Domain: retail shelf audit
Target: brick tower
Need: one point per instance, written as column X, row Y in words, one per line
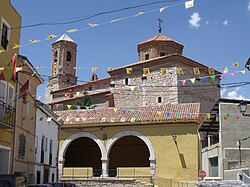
column 63, row 65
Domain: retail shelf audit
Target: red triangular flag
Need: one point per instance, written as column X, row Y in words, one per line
column 23, row 91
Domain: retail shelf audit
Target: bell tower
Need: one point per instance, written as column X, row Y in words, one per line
column 63, row 65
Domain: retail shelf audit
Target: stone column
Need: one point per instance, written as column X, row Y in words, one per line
column 105, row 163
column 152, row 163
column 60, row 168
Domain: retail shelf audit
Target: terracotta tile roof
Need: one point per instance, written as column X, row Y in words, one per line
column 135, row 114
column 107, row 79
column 158, row 37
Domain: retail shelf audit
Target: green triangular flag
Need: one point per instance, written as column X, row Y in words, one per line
column 212, row 77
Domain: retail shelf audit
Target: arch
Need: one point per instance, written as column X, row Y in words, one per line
column 131, row 133
column 73, row 137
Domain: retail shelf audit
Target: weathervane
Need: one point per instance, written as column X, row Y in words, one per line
column 159, row 27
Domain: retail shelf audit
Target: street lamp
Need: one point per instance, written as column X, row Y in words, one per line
column 243, row 107
column 174, row 137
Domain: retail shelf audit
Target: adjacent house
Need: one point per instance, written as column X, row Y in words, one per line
column 46, row 144
column 9, row 18
column 226, row 141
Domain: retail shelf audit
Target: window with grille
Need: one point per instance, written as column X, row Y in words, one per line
column 55, row 56
column 5, row 36
column 21, row 147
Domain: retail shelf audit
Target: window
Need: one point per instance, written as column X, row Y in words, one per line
column 126, row 81
column 5, row 34
column 213, row 167
column 55, row 56
column 21, row 147
column 2, row 91
column 68, row 80
column 69, row 56
column 162, row 54
column 146, row 56
column 42, row 149
column 11, row 95
column 38, row 177
column 159, row 100
column 27, row 111
column 50, row 151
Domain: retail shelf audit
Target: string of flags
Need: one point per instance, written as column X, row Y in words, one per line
column 157, row 114
column 188, row 4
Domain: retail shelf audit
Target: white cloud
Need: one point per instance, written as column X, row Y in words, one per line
column 248, row 7
column 195, row 19
column 225, row 22
column 234, row 94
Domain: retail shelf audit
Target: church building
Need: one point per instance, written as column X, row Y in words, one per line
column 140, row 123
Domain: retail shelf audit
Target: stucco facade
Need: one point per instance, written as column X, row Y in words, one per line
column 9, row 18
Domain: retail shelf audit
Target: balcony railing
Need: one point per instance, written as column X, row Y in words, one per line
column 7, row 115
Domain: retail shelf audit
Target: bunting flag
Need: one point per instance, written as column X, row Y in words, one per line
column 208, row 116
column 93, row 24
column 132, row 88
column 123, row 110
column 154, row 85
column 140, row 13
column 68, row 106
column 9, row 72
column 211, row 71
column 77, row 93
column 115, row 110
column 193, row 80
column 72, row 30
column 163, row 71
column 57, row 105
column 180, row 71
column 158, row 113
column 132, row 111
column 225, row 70
column 23, row 91
column 183, row 82
column 34, row 41
column 233, row 73
column 212, row 77
column 49, row 119
column 163, row 8
column 223, row 76
column 235, row 64
column 243, row 71
column 1, row 51
column 196, row 71
column 39, row 97
column 39, row 67
column 94, row 69
column 51, row 36
column 115, row 20
column 145, row 71
column 16, row 46
column 129, row 70
column 203, row 79
column 111, row 69
column 189, row 4
column 177, row 114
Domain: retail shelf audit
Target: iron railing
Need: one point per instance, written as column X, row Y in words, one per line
column 7, row 115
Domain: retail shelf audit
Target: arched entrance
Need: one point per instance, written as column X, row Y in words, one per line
column 84, row 152
column 130, row 149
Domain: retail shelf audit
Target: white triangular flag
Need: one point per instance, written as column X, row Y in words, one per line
column 163, row 8
column 192, row 80
column 189, row 4
column 49, row 118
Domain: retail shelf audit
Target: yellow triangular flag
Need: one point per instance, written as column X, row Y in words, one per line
column 145, row 71
column 140, row 13
column 163, row 8
column 132, row 88
column 158, row 113
column 129, row 70
column 208, row 116
column 51, row 36
column 196, row 71
column 225, row 69
column 1, row 51
column 94, row 69
column 163, row 71
column 211, row 71
column 39, row 67
column 72, row 30
column 69, row 106
column 115, row 110
column 34, row 41
column 180, row 71
column 92, row 24
column 236, row 64
column 16, row 46
column 111, row 69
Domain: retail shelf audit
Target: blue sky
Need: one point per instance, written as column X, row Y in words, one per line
column 215, row 33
